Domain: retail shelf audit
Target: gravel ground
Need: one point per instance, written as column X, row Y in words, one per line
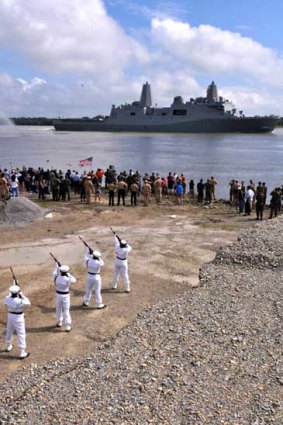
column 211, row 356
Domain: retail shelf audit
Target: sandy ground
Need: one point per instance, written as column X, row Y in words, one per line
column 169, row 243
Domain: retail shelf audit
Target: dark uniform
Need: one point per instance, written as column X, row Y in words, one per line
column 260, row 201
column 55, row 188
column 200, row 190
column 275, row 202
column 122, row 190
column 134, row 191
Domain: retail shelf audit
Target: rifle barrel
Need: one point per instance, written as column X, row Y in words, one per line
column 55, row 259
column 14, row 277
column 84, row 242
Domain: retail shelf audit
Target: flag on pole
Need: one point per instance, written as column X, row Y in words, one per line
column 87, row 161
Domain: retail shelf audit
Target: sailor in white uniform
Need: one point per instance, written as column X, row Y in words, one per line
column 93, row 263
column 63, row 280
column 16, row 302
column 122, row 249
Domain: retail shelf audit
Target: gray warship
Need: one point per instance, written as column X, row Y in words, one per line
column 210, row 114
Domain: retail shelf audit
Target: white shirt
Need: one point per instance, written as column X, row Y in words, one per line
column 15, row 184
column 93, row 265
column 62, row 283
column 122, row 252
column 16, row 304
column 250, row 194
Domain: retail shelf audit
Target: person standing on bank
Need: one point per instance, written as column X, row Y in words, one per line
column 16, row 302
column 260, row 200
column 93, row 264
column 111, row 192
column 213, row 183
column 134, row 189
column 146, row 191
column 63, row 280
column 122, row 250
column 158, row 189
column 122, row 190
column 200, row 191
column 88, row 185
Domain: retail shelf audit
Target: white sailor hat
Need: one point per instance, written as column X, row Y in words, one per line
column 64, row 269
column 96, row 254
column 123, row 242
column 14, row 289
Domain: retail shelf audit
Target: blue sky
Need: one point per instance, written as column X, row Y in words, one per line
column 78, row 57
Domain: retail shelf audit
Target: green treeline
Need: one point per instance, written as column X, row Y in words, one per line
column 32, row 121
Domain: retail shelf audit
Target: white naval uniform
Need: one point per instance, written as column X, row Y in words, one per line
column 16, row 319
column 121, row 264
column 93, row 280
column 62, row 285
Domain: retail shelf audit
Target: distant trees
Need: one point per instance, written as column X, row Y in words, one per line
column 32, row 121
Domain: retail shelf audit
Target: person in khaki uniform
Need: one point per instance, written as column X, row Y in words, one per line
column 158, row 189
column 146, row 191
column 88, row 189
column 213, row 183
column 111, row 193
column 134, row 189
column 3, row 188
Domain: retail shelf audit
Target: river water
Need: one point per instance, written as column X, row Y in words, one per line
column 225, row 156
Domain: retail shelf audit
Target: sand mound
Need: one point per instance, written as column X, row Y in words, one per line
column 19, row 210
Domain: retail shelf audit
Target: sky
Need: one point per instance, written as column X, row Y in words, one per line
column 74, row 58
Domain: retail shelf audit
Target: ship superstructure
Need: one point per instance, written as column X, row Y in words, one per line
column 200, row 115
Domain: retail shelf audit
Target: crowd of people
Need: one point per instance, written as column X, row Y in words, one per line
column 116, row 186
column 60, row 185
column 246, row 198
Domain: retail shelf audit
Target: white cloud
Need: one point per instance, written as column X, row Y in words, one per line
column 28, row 86
column 254, row 101
column 214, row 51
column 89, row 61
column 72, row 36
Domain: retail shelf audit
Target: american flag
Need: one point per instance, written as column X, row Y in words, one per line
column 87, row 161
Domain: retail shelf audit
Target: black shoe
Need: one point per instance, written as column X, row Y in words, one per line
column 85, row 305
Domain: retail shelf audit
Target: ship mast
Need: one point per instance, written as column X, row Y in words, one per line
column 211, row 93
column 145, row 100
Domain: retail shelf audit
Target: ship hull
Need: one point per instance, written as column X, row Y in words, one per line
column 227, row 125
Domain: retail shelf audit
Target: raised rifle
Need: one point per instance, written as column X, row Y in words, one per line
column 84, row 242
column 14, row 277
column 118, row 237
column 55, row 259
